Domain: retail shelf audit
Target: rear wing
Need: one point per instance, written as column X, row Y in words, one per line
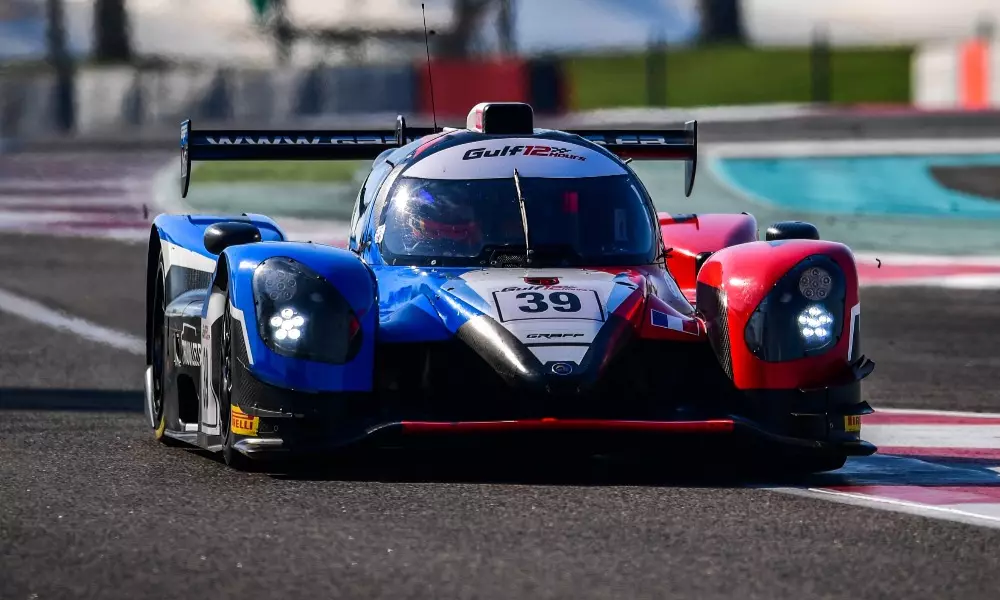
column 247, row 144
column 292, row 144
column 666, row 144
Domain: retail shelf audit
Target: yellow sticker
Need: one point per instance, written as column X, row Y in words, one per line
column 242, row 423
column 851, row 423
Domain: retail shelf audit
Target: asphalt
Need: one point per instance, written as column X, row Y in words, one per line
column 95, row 279
column 91, row 506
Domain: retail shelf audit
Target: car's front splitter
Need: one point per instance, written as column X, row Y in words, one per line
column 281, row 421
column 597, row 435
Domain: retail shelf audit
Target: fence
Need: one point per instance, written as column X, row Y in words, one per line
column 118, row 98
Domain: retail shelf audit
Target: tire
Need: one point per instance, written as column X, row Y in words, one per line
column 230, row 454
column 159, row 358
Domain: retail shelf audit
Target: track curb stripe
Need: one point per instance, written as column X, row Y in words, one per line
column 932, row 463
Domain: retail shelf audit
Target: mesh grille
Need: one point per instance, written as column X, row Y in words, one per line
column 197, row 280
column 239, row 345
column 183, row 279
column 856, row 350
column 245, row 390
column 712, row 304
column 506, row 260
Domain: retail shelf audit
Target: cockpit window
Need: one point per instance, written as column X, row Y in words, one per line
column 571, row 221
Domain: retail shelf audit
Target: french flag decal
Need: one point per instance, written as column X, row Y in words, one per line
column 660, row 319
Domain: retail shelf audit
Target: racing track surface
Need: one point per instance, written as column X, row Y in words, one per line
column 91, row 506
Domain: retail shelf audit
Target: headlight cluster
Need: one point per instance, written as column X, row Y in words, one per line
column 301, row 314
column 287, row 325
column 815, row 323
column 802, row 315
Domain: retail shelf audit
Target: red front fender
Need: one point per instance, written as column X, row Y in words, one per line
column 687, row 236
column 734, row 281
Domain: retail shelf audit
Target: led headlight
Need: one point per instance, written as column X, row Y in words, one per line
column 815, row 323
column 815, row 283
column 803, row 313
column 301, row 314
column 287, row 325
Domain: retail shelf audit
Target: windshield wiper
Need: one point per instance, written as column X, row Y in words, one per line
column 524, row 216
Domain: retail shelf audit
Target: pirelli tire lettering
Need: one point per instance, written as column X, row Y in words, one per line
column 242, row 423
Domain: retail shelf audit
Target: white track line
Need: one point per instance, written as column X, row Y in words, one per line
column 39, row 313
column 954, row 282
column 928, row 260
column 939, row 413
column 934, row 435
column 890, row 504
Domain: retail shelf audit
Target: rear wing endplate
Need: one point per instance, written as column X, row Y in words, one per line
column 247, row 144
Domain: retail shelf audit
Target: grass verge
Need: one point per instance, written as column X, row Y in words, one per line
column 711, row 76
column 278, row 171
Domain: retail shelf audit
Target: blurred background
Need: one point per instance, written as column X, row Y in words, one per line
column 84, row 67
column 122, row 74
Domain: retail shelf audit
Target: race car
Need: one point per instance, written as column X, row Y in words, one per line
column 503, row 286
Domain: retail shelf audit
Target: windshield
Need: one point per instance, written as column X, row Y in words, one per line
column 571, row 221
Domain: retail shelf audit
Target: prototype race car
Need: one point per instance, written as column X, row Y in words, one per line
column 502, row 285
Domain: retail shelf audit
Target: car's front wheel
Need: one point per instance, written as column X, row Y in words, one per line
column 159, row 339
column 227, row 362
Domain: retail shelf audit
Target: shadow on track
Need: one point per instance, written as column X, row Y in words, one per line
column 714, row 468
column 71, row 400
column 551, row 469
column 688, row 467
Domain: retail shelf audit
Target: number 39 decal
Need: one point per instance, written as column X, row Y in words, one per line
column 576, row 304
column 560, row 301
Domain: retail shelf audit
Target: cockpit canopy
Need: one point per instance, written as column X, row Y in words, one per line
column 578, row 221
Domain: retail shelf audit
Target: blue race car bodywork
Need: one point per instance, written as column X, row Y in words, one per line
column 257, row 344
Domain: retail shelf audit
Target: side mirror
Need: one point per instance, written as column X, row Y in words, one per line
column 791, row 230
column 220, row 236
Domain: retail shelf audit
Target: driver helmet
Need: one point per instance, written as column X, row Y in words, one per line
column 442, row 219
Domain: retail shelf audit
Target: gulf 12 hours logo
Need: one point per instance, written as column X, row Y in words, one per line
column 542, row 151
